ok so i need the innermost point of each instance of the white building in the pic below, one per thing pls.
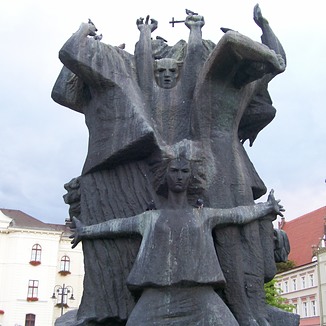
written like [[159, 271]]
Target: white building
[[305, 285], [36, 260], [321, 255]]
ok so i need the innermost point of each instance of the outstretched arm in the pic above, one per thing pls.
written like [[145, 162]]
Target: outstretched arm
[[109, 229], [245, 214]]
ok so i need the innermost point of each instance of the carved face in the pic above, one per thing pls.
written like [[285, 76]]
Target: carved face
[[178, 175], [166, 72]]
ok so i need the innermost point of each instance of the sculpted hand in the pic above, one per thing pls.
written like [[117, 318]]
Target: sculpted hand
[[76, 228], [141, 25], [258, 17], [281, 62], [194, 21], [278, 209]]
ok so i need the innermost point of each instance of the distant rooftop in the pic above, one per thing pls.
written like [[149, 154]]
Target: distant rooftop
[[23, 220], [305, 233]]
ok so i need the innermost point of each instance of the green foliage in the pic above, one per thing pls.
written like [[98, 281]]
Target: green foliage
[[274, 298], [283, 267]]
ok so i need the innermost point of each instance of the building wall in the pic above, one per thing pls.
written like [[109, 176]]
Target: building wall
[[300, 287], [321, 256], [16, 272]]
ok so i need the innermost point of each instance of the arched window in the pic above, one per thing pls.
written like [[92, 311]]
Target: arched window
[[36, 254], [30, 320], [64, 265]]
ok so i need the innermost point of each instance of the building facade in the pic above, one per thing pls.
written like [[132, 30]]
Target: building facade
[[41, 277], [305, 285]]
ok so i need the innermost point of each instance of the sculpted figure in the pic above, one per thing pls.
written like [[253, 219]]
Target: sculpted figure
[[168, 84], [136, 105], [176, 270], [236, 71], [99, 81]]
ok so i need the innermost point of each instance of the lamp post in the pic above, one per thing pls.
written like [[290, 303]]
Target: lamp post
[[63, 291]]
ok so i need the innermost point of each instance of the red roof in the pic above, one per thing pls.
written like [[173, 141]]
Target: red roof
[[305, 232]]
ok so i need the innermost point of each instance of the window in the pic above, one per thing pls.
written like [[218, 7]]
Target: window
[[32, 294], [311, 278], [64, 266], [303, 282], [313, 308], [294, 284], [30, 320], [305, 309], [36, 255], [295, 308], [323, 241], [286, 286]]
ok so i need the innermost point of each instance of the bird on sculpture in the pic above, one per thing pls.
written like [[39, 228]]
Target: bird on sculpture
[[98, 37], [199, 203], [161, 38], [90, 22], [191, 13], [151, 206], [122, 46], [225, 29]]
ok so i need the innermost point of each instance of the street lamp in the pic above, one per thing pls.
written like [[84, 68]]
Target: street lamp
[[63, 291]]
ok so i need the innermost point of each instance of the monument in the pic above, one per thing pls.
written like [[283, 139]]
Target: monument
[[165, 205]]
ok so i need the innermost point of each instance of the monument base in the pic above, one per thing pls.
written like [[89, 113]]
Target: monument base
[[277, 317]]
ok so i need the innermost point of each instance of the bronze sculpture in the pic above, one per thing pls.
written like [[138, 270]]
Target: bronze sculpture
[[138, 107]]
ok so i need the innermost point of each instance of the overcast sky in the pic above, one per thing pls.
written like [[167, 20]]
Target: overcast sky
[[43, 145]]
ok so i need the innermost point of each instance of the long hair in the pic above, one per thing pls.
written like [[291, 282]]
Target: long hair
[[187, 150]]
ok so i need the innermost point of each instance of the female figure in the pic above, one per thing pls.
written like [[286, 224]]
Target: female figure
[[177, 270]]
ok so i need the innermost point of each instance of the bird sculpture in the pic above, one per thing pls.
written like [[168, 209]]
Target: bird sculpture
[[191, 13], [98, 37], [161, 38], [90, 22]]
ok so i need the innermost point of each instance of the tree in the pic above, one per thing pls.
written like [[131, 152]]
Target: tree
[[274, 298], [285, 266]]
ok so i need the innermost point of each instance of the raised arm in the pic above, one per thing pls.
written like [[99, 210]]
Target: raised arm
[[244, 214], [240, 60], [194, 58], [268, 37], [252, 123], [143, 54], [195, 46], [96, 63], [109, 229]]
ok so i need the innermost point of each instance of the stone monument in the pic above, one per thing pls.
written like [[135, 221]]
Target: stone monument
[[165, 202]]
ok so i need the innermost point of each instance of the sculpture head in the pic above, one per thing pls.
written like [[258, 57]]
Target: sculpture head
[[184, 160], [178, 175], [167, 72]]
